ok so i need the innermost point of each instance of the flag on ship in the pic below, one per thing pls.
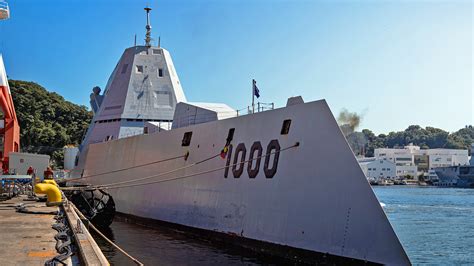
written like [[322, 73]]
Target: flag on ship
[[256, 91]]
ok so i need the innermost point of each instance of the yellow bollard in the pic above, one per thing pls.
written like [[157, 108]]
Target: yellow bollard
[[50, 181], [51, 191]]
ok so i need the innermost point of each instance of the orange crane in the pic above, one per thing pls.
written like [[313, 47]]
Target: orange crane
[[9, 127]]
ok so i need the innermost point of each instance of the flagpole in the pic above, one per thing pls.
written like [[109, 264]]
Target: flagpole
[[253, 96]]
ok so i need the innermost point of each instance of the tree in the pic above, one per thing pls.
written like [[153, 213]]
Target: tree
[[47, 121], [426, 138]]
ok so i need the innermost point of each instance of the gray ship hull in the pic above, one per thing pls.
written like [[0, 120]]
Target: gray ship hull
[[312, 196], [456, 176]]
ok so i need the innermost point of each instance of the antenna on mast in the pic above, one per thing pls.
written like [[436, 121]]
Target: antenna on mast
[[148, 27]]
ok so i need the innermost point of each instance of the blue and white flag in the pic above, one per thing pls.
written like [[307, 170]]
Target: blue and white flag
[[256, 91]]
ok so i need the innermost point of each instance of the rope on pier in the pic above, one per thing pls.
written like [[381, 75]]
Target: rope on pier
[[120, 184], [104, 237]]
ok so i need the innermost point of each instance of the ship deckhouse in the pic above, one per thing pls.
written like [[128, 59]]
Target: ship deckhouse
[[144, 87]]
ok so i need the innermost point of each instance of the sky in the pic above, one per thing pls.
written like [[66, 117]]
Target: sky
[[397, 63]]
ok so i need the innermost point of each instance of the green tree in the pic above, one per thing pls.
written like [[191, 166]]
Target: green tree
[[426, 138], [47, 121]]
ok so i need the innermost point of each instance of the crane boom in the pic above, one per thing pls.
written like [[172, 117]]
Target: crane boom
[[9, 129]]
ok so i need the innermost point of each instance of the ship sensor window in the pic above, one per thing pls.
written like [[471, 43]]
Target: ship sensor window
[[186, 139], [139, 69], [285, 128], [124, 68], [156, 51], [160, 72]]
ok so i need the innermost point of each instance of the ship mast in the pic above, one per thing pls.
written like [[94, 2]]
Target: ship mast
[[148, 27]]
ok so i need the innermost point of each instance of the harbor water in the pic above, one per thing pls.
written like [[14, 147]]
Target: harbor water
[[435, 225]]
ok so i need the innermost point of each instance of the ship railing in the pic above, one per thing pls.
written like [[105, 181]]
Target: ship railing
[[261, 107], [257, 108]]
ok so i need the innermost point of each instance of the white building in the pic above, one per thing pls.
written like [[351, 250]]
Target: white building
[[378, 169], [411, 160], [20, 162], [407, 170]]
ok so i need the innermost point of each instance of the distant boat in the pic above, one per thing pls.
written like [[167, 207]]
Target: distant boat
[[455, 176], [384, 182], [400, 182]]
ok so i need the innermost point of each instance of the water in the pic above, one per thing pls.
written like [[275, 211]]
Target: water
[[435, 225], [165, 246]]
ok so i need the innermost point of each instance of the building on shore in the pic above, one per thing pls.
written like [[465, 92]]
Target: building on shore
[[411, 161], [411, 157], [378, 169]]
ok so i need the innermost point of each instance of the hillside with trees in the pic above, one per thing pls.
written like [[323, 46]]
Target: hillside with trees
[[427, 138], [47, 121]]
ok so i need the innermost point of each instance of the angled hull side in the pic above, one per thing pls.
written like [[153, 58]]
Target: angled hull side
[[318, 199]]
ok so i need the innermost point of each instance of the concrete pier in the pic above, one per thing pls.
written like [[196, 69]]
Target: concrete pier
[[28, 238]]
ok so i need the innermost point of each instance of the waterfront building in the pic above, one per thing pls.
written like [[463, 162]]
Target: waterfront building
[[378, 169], [412, 161]]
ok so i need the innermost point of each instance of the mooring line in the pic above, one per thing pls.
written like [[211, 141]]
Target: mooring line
[[140, 179], [128, 168], [104, 237], [117, 185]]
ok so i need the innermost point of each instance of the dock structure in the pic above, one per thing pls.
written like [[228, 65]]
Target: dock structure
[[29, 239], [88, 250]]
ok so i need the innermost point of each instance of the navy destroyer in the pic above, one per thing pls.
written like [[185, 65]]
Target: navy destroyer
[[284, 178]]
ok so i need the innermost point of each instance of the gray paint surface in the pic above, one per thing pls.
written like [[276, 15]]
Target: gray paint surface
[[318, 200], [143, 87]]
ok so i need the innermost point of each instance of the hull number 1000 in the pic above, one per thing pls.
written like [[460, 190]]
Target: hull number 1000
[[237, 162]]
